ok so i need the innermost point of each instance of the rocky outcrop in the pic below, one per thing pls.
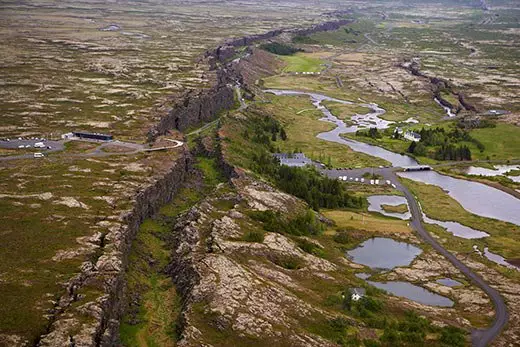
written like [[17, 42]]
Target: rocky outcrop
[[438, 85], [76, 321], [201, 105], [96, 322], [248, 297]]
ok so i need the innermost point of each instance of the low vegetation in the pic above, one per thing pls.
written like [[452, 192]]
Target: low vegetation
[[279, 48]]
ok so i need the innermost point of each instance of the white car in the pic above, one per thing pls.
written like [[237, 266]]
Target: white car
[[21, 146], [362, 180], [357, 179], [38, 155], [377, 181], [387, 182]]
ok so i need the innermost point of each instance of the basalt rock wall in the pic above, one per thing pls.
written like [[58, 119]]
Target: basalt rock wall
[[198, 106], [80, 321], [96, 323]]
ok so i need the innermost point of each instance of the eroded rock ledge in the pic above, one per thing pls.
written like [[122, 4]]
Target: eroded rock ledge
[[76, 321], [79, 322], [199, 106]]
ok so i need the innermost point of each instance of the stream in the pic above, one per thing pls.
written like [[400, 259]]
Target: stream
[[475, 197]]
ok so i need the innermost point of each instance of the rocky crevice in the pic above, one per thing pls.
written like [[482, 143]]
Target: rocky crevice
[[96, 323], [99, 324], [182, 111], [438, 85]]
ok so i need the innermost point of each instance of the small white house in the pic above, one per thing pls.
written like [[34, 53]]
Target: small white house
[[412, 136], [357, 293]]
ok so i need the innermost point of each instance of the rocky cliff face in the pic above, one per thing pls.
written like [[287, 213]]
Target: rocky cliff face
[[241, 288], [438, 85], [199, 106], [76, 321], [79, 322]]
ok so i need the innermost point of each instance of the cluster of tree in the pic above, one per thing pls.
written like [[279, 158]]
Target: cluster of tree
[[372, 133], [476, 123], [302, 225], [265, 129], [317, 190], [306, 183], [280, 48], [452, 152], [352, 31], [445, 143], [410, 330], [304, 39]]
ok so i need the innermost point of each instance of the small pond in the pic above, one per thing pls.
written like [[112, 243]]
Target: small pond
[[413, 292], [375, 202], [457, 229], [498, 259], [384, 253]]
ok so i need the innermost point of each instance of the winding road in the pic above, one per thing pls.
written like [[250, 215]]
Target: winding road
[[479, 337]]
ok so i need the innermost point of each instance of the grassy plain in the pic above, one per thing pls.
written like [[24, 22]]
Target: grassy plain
[[301, 62], [369, 222], [395, 209], [301, 122]]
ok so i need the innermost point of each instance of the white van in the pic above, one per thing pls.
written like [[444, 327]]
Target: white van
[[38, 155], [39, 145]]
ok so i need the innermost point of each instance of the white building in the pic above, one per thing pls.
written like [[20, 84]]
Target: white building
[[412, 136], [295, 159], [357, 293]]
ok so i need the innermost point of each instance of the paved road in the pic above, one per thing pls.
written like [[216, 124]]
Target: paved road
[[97, 152], [480, 337]]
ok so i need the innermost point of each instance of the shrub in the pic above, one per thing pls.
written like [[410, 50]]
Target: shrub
[[371, 343], [310, 247], [279, 48], [452, 336], [288, 262], [304, 40], [342, 236], [302, 225], [254, 236]]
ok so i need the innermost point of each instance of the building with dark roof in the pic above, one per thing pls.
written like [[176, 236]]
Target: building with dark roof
[[93, 136]]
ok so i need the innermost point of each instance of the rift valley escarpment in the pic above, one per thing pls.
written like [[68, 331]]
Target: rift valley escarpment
[[83, 322]]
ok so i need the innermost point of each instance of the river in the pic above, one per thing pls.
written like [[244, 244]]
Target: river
[[475, 197]]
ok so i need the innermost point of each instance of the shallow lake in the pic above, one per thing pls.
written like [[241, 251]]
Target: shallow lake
[[413, 292], [384, 253], [375, 202]]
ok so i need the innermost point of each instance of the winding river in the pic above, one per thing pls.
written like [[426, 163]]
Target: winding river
[[475, 197]]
